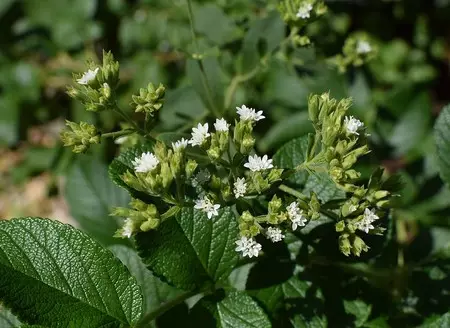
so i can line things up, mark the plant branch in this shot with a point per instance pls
(117, 133)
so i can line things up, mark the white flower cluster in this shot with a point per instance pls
(146, 163)
(221, 125)
(127, 229)
(363, 47)
(199, 134)
(180, 144)
(205, 205)
(240, 187)
(296, 216)
(366, 223)
(274, 234)
(88, 76)
(256, 163)
(249, 114)
(248, 247)
(352, 124)
(304, 11)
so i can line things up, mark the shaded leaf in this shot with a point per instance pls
(442, 139)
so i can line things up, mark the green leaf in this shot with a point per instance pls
(7, 319)
(359, 309)
(154, 290)
(52, 274)
(439, 322)
(189, 250)
(236, 309)
(442, 139)
(294, 153)
(91, 195)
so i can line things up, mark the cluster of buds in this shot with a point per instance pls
(299, 13)
(80, 136)
(139, 217)
(358, 49)
(95, 87)
(149, 100)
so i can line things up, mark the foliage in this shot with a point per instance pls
(327, 205)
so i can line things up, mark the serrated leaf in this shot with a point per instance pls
(189, 250)
(54, 275)
(91, 195)
(7, 319)
(442, 140)
(291, 155)
(359, 309)
(236, 309)
(155, 291)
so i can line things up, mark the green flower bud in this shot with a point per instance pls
(191, 166)
(226, 192)
(340, 226)
(215, 182)
(176, 162)
(348, 208)
(275, 204)
(81, 137)
(254, 230)
(352, 174)
(149, 225)
(383, 203)
(166, 175)
(247, 217)
(105, 91)
(359, 246)
(314, 203)
(274, 175)
(150, 99)
(247, 144)
(109, 70)
(344, 244)
(380, 194)
(337, 173)
(131, 180)
(214, 153)
(258, 183)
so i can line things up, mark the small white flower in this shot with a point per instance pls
(249, 114)
(205, 205)
(352, 124)
(199, 134)
(221, 125)
(305, 11)
(127, 229)
(366, 223)
(256, 163)
(240, 187)
(121, 140)
(274, 234)
(180, 144)
(363, 47)
(296, 216)
(88, 76)
(248, 247)
(146, 163)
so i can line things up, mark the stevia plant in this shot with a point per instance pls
(223, 234)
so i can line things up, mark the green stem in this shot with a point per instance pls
(150, 316)
(238, 79)
(215, 111)
(117, 133)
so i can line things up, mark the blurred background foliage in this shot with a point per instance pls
(398, 95)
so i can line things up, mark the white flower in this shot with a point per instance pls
(240, 187)
(304, 11)
(146, 163)
(205, 205)
(180, 144)
(352, 124)
(199, 134)
(249, 114)
(296, 216)
(248, 247)
(274, 234)
(88, 76)
(121, 140)
(366, 223)
(256, 163)
(127, 229)
(221, 125)
(363, 47)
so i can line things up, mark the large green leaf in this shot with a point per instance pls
(189, 250)
(292, 154)
(54, 275)
(442, 139)
(91, 196)
(7, 319)
(438, 322)
(236, 309)
(155, 291)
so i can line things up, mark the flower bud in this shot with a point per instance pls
(247, 217)
(380, 194)
(359, 246)
(149, 225)
(110, 70)
(214, 153)
(344, 244)
(166, 175)
(150, 99)
(274, 175)
(81, 137)
(191, 166)
(340, 226)
(275, 204)
(247, 144)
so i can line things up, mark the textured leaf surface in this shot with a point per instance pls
(54, 275)
(359, 309)
(91, 196)
(155, 291)
(236, 309)
(442, 139)
(189, 250)
(294, 153)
